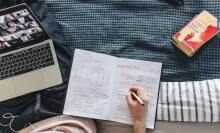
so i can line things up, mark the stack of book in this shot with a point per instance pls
(196, 33)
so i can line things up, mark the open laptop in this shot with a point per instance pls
(28, 61)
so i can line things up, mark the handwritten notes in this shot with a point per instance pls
(99, 83)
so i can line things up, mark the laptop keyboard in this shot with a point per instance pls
(25, 61)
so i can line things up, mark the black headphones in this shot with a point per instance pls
(176, 2)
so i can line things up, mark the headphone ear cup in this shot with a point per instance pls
(176, 2)
(180, 2)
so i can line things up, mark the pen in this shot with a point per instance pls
(139, 100)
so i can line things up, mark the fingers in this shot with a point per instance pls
(145, 100)
(140, 93)
(129, 98)
(138, 90)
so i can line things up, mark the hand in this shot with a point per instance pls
(137, 110)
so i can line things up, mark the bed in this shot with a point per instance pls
(139, 29)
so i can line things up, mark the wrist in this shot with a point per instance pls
(139, 126)
(140, 122)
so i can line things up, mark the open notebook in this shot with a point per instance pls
(99, 83)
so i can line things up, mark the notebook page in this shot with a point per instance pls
(90, 85)
(135, 72)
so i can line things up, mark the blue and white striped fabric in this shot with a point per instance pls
(189, 101)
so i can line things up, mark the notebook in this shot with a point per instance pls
(99, 84)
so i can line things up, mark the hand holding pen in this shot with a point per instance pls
(137, 102)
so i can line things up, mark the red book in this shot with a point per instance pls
(196, 33)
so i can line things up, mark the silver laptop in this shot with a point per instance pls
(28, 61)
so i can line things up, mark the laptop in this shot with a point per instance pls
(28, 61)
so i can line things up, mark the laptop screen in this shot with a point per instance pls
(19, 28)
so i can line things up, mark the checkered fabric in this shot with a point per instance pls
(142, 29)
(139, 29)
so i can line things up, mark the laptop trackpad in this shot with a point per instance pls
(7, 89)
(29, 82)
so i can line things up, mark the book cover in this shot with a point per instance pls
(197, 32)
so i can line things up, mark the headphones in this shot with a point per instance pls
(176, 2)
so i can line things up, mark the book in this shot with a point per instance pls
(99, 84)
(196, 33)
